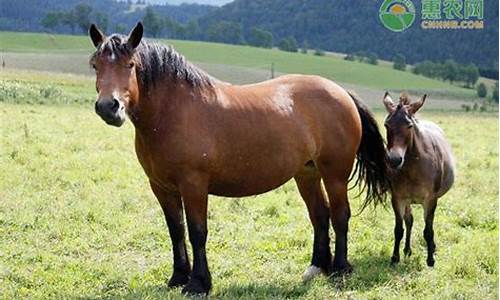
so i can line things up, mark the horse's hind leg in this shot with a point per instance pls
(408, 217)
(429, 209)
(172, 208)
(399, 208)
(309, 185)
(335, 178)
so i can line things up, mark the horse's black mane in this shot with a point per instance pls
(154, 61)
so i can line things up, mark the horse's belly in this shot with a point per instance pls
(254, 177)
(243, 188)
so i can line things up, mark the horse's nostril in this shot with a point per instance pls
(116, 105)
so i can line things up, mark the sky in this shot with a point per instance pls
(175, 2)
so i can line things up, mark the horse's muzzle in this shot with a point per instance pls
(111, 111)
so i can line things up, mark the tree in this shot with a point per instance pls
(152, 23)
(68, 19)
(225, 32)
(121, 28)
(494, 94)
(81, 14)
(399, 62)
(288, 44)
(350, 57)
(51, 20)
(192, 30)
(305, 46)
(481, 90)
(102, 20)
(450, 70)
(372, 59)
(319, 52)
(260, 38)
(471, 74)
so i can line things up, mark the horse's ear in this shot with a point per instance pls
(96, 35)
(388, 103)
(415, 106)
(135, 36)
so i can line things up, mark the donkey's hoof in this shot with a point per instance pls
(341, 269)
(311, 272)
(407, 252)
(196, 287)
(178, 279)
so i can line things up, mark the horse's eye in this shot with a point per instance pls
(94, 67)
(131, 65)
(410, 126)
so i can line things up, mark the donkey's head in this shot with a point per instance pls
(114, 63)
(399, 125)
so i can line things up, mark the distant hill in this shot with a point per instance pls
(349, 26)
(178, 2)
(25, 15)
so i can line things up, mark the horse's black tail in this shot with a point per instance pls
(371, 165)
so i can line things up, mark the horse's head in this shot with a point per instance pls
(399, 125)
(114, 63)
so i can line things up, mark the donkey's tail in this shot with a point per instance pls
(371, 165)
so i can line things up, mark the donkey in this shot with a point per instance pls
(422, 169)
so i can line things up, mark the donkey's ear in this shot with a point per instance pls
(96, 35)
(415, 106)
(388, 103)
(135, 36)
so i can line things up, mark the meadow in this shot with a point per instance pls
(78, 219)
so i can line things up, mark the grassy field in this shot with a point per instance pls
(78, 219)
(65, 49)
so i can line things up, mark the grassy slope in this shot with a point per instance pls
(331, 67)
(77, 219)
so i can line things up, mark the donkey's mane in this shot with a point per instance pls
(154, 61)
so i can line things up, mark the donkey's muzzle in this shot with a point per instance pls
(395, 161)
(111, 111)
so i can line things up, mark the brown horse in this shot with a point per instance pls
(197, 136)
(423, 169)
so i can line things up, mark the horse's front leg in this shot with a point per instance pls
(172, 208)
(194, 192)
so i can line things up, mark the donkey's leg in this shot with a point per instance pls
(309, 184)
(429, 209)
(409, 223)
(172, 209)
(398, 208)
(194, 193)
(335, 180)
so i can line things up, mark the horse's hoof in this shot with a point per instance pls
(178, 279)
(430, 262)
(407, 252)
(341, 269)
(394, 260)
(311, 272)
(196, 287)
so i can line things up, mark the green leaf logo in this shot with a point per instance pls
(397, 15)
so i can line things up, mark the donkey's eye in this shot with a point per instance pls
(94, 67)
(410, 126)
(131, 65)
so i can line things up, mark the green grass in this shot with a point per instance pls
(331, 67)
(78, 219)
